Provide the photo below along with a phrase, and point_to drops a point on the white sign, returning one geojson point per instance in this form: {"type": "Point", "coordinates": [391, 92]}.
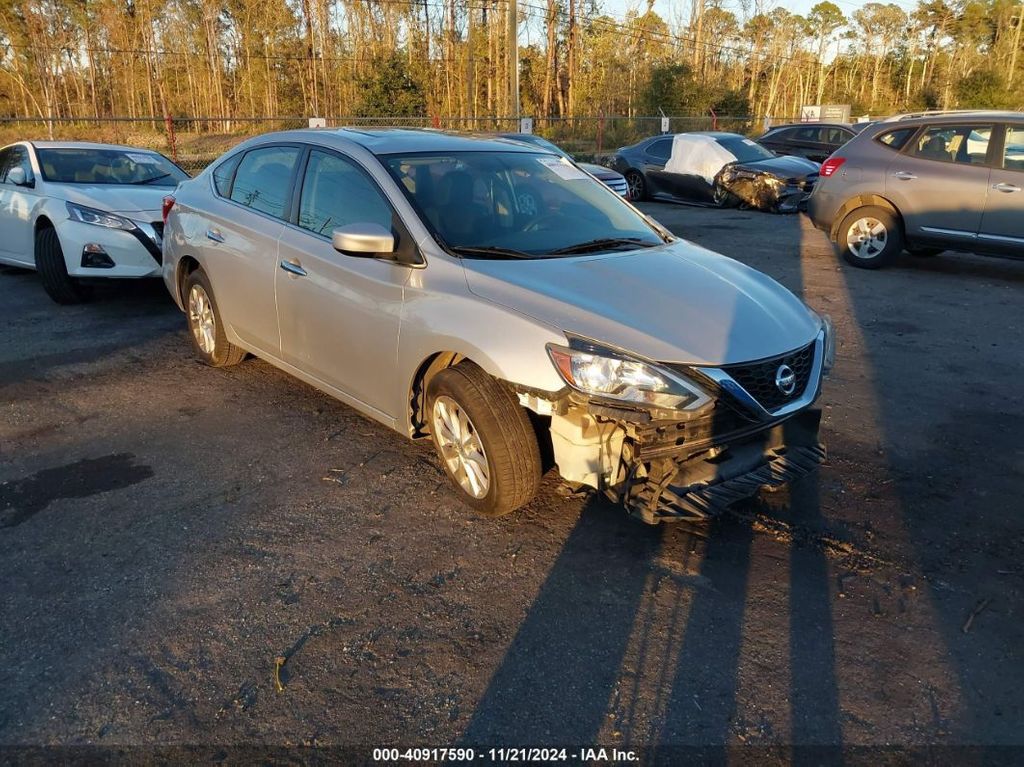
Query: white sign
{"type": "Point", "coordinates": [664, 125]}
{"type": "Point", "coordinates": [829, 113]}
{"type": "Point", "coordinates": [317, 122]}
{"type": "Point", "coordinates": [563, 168]}
{"type": "Point", "coordinates": [526, 125]}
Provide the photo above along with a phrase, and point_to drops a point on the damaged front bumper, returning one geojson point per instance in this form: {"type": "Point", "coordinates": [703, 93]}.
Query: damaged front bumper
{"type": "Point", "coordinates": [668, 465]}
{"type": "Point", "coordinates": [695, 488]}
{"type": "Point", "coordinates": [764, 191]}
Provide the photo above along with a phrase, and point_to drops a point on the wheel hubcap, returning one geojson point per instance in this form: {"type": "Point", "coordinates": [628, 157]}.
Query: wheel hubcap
{"type": "Point", "coordinates": [867, 237]}
{"type": "Point", "coordinates": [202, 320]}
{"type": "Point", "coordinates": [461, 447]}
{"type": "Point", "coordinates": [636, 185]}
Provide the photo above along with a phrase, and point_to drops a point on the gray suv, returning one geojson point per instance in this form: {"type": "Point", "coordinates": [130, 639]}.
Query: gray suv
{"type": "Point", "coordinates": [925, 183]}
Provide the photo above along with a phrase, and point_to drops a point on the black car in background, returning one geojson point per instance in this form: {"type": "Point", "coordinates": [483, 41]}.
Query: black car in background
{"type": "Point", "coordinates": [609, 178]}
{"type": "Point", "coordinates": [815, 141]}
{"type": "Point", "coordinates": [715, 169]}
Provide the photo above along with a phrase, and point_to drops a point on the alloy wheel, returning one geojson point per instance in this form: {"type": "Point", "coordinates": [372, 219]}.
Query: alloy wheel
{"type": "Point", "coordinates": [202, 320]}
{"type": "Point", "coordinates": [461, 447]}
{"type": "Point", "coordinates": [867, 237]}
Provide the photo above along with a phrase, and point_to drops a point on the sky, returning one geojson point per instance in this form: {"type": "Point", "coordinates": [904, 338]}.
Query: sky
{"type": "Point", "coordinates": [668, 8]}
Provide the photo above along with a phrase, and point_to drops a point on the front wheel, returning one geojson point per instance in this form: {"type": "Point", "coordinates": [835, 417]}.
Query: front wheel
{"type": "Point", "coordinates": [53, 270]}
{"type": "Point", "coordinates": [870, 237]}
{"type": "Point", "coordinates": [484, 439]}
{"type": "Point", "coordinates": [637, 185]}
{"type": "Point", "coordinates": [209, 341]}
{"type": "Point", "coordinates": [723, 198]}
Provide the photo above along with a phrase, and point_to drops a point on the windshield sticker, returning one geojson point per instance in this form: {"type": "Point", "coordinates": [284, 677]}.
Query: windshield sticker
{"type": "Point", "coordinates": [564, 169]}
{"type": "Point", "coordinates": [748, 142]}
{"type": "Point", "coordinates": [143, 159]}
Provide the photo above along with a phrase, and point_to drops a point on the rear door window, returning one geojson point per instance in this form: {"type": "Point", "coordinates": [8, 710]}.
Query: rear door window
{"type": "Point", "coordinates": [662, 149]}
{"type": "Point", "coordinates": [263, 179]}
{"type": "Point", "coordinates": [1013, 148]}
{"type": "Point", "coordinates": [961, 144]}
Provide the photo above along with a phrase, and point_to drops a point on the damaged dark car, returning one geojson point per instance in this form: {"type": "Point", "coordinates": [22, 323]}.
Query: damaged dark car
{"type": "Point", "coordinates": [715, 169]}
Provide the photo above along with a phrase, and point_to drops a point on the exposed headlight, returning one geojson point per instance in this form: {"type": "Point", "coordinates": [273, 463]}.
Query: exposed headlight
{"type": "Point", "coordinates": [99, 217]}
{"type": "Point", "coordinates": [621, 378]}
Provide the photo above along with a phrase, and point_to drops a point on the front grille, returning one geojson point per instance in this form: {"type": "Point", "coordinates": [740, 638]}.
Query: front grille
{"type": "Point", "coordinates": [618, 185]}
{"type": "Point", "coordinates": [758, 378]}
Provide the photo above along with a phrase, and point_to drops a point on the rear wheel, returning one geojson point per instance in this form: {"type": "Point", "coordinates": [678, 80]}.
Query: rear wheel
{"type": "Point", "coordinates": [870, 237]}
{"type": "Point", "coordinates": [205, 326]}
{"type": "Point", "coordinates": [637, 185]}
{"type": "Point", "coordinates": [484, 439]}
{"type": "Point", "coordinates": [53, 270]}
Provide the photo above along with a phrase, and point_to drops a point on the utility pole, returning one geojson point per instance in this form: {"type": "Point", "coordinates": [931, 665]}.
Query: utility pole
{"type": "Point", "coordinates": [1016, 45]}
{"type": "Point", "coordinates": [513, 58]}
{"type": "Point", "coordinates": [470, 69]}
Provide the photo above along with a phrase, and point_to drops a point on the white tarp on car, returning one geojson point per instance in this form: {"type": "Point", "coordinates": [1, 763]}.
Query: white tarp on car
{"type": "Point", "coordinates": [697, 155]}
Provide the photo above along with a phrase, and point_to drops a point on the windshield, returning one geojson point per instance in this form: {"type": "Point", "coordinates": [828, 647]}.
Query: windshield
{"type": "Point", "coordinates": [517, 205]}
{"type": "Point", "coordinates": [743, 149]}
{"type": "Point", "coordinates": [108, 166]}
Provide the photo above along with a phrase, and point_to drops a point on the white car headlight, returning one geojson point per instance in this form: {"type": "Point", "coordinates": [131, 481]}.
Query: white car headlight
{"type": "Point", "coordinates": [99, 217]}
{"type": "Point", "coordinates": [621, 378]}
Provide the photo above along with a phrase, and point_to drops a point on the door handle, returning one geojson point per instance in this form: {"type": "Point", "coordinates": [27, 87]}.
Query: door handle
{"type": "Point", "coordinates": [1004, 187]}
{"type": "Point", "coordinates": [215, 235]}
{"type": "Point", "coordinates": [902, 175]}
{"type": "Point", "coordinates": [293, 268]}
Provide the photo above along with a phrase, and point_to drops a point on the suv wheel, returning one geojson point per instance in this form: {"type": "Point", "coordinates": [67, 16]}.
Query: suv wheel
{"type": "Point", "coordinates": [637, 186]}
{"type": "Point", "coordinates": [484, 439]}
{"type": "Point", "coordinates": [870, 237]}
{"type": "Point", "coordinates": [53, 270]}
{"type": "Point", "coordinates": [206, 329]}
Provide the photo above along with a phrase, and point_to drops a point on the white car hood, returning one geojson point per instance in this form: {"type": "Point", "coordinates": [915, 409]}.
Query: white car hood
{"type": "Point", "coordinates": [676, 303]}
{"type": "Point", "coordinates": [117, 198]}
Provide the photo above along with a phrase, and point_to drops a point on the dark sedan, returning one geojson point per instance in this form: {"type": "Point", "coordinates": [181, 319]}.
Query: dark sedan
{"type": "Point", "coordinates": [606, 176]}
{"type": "Point", "coordinates": [714, 168]}
{"type": "Point", "coordinates": [815, 141]}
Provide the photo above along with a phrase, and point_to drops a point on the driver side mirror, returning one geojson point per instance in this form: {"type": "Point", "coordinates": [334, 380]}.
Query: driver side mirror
{"type": "Point", "coordinates": [18, 177]}
{"type": "Point", "coordinates": [363, 240]}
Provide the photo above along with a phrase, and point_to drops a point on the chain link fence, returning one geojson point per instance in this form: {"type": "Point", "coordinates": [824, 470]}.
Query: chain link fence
{"type": "Point", "coordinates": [194, 142]}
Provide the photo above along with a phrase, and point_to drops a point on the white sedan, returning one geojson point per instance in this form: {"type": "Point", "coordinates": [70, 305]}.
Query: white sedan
{"type": "Point", "coordinates": [75, 211]}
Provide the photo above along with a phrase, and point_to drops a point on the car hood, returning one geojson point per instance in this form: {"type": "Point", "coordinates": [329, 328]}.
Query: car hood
{"type": "Point", "coordinates": [786, 166]}
{"type": "Point", "coordinates": [599, 171]}
{"type": "Point", "coordinates": [116, 198]}
{"type": "Point", "coordinates": [674, 303]}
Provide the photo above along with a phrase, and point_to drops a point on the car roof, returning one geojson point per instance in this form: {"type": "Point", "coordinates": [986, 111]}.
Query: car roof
{"type": "Point", "coordinates": [956, 117]}
{"type": "Point", "coordinates": [809, 123]}
{"type": "Point", "coordinates": [380, 141]}
{"type": "Point", "coordinates": [87, 145]}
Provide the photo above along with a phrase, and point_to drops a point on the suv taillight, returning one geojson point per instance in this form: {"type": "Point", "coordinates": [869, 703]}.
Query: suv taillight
{"type": "Point", "coordinates": [831, 165]}
{"type": "Point", "coordinates": [168, 204]}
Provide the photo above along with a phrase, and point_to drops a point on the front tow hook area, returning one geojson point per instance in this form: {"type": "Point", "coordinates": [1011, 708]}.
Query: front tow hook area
{"type": "Point", "coordinates": [698, 488]}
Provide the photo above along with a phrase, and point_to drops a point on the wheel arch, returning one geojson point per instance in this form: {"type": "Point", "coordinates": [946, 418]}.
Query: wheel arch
{"type": "Point", "coordinates": [863, 201]}
{"type": "Point", "coordinates": [183, 268]}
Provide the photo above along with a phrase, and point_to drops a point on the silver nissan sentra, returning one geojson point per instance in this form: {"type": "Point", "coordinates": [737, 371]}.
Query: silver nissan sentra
{"type": "Point", "coordinates": [395, 270]}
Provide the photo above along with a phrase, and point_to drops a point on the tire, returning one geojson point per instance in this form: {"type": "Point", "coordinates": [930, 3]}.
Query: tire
{"type": "Point", "coordinates": [637, 185]}
{"type": "Point", "coordinates": [206, 329]}
{"type": "Point", "coordinates": [498, 433]}
{"type": "Point", "coordinates": [924, 252]}
{"type": "Point", "coordinates": [53, 270]}
{"type": "Point", "coordinates": [870, 237]}
{"type": "Point", "coordinates": [723, 198]}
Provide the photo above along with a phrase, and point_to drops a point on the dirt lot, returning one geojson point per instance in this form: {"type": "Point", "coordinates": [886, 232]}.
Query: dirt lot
{"type": "Point", "coordinates": [169, 529]}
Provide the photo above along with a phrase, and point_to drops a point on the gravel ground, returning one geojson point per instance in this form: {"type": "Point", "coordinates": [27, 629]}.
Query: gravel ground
{"type": "Point", "coordinates": [168, 530]}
